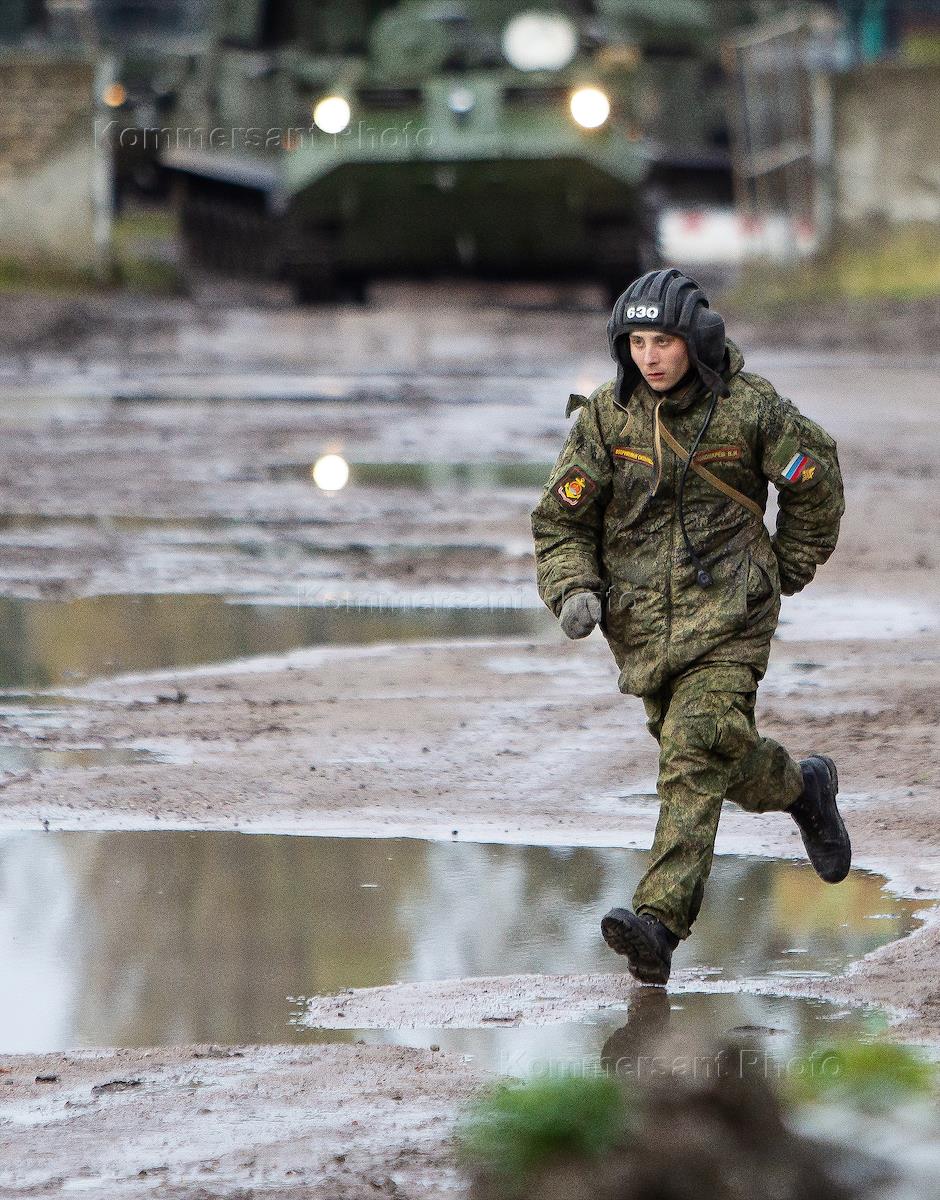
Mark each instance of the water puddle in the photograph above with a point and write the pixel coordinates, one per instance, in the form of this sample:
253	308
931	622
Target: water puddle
44	643
32	758
28	522
139	939
775	1034
444	476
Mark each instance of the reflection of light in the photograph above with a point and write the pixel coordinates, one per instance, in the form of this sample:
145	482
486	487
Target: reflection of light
330	472
114	95
461	101
590	107
540	41
332	114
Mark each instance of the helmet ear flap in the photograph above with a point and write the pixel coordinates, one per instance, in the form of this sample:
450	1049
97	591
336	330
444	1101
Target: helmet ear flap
620	350
670	300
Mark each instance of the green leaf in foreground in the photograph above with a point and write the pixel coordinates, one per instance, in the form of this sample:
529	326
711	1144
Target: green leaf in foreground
512	1130
869	1075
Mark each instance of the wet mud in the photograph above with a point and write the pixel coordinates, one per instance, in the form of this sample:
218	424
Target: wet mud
177	473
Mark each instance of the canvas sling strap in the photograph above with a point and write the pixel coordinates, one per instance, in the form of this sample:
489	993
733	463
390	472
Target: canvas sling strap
703	472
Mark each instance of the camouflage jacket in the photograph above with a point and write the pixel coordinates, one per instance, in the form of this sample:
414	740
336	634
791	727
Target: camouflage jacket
608	522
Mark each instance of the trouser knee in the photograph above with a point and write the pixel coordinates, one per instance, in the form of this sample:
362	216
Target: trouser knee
716	727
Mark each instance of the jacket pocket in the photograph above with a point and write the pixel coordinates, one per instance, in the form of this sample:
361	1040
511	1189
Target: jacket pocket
762	595
616	604
634	619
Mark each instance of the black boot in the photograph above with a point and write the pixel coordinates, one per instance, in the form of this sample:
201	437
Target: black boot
821	827
646	942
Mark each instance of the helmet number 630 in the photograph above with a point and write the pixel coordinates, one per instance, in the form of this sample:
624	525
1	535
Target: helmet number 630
642	311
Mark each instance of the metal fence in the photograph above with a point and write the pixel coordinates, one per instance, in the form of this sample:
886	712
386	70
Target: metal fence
781	129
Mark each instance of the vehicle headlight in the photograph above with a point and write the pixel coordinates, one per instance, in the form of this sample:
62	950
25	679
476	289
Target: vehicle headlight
332	114
461	101
540	41
590	107
114	95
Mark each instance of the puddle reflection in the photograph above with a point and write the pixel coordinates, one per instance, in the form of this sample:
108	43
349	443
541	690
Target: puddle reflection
32	758
139	939
49	642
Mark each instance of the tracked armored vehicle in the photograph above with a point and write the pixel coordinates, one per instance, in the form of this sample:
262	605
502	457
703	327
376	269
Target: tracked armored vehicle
331	143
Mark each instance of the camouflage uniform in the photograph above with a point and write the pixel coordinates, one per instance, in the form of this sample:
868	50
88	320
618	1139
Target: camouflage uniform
607	523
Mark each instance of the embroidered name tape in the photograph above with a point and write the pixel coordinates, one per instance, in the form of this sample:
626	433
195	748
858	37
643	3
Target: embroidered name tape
575	488
801	467
633	455
719	454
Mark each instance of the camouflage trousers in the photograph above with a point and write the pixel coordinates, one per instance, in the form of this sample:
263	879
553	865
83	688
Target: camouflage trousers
710	751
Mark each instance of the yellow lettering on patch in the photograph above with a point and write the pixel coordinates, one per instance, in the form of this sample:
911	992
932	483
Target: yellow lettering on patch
632	455
719	454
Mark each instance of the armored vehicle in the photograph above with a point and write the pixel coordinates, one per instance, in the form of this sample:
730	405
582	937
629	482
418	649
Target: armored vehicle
329	143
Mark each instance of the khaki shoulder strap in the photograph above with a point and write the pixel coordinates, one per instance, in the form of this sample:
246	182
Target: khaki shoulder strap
704	473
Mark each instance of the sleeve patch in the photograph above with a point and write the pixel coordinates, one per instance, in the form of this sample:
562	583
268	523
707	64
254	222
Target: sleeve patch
575	488
802	468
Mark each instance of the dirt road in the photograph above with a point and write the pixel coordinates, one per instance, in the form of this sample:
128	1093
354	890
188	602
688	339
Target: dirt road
521	740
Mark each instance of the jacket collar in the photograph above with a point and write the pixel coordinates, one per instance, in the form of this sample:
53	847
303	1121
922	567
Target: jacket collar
677	401
686	397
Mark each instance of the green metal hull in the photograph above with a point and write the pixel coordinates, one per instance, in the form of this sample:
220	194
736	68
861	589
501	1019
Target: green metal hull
489	216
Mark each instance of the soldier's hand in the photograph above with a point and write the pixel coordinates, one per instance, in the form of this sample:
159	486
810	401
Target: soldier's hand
579	614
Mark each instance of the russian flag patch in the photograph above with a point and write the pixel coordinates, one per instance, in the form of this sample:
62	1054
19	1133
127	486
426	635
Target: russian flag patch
800	467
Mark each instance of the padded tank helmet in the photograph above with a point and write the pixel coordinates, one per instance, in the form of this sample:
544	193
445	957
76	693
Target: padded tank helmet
675	303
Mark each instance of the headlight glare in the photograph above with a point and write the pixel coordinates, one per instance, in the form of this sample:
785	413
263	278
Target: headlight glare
540	41
114	95
590	107
332	114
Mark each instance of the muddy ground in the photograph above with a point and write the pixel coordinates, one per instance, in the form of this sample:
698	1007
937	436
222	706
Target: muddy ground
157	465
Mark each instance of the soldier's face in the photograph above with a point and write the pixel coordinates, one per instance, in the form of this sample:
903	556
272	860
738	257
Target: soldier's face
661	357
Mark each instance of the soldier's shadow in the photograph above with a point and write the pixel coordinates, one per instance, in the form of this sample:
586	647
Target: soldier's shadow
628	1050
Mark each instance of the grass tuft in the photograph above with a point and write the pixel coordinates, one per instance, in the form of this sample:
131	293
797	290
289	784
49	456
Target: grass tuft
513	1130
874	1076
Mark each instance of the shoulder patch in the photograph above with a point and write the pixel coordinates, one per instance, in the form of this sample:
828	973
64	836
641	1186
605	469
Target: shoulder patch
802	468
575	488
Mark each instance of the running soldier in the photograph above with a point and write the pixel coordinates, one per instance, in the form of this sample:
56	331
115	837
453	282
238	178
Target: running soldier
652	526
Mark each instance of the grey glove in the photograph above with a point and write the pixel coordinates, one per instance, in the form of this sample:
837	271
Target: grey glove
579	614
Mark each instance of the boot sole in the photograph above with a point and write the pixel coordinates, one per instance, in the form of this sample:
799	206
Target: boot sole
625	934
839	873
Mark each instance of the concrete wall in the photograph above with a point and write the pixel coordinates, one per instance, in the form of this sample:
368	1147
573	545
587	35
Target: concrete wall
887	144
54	180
